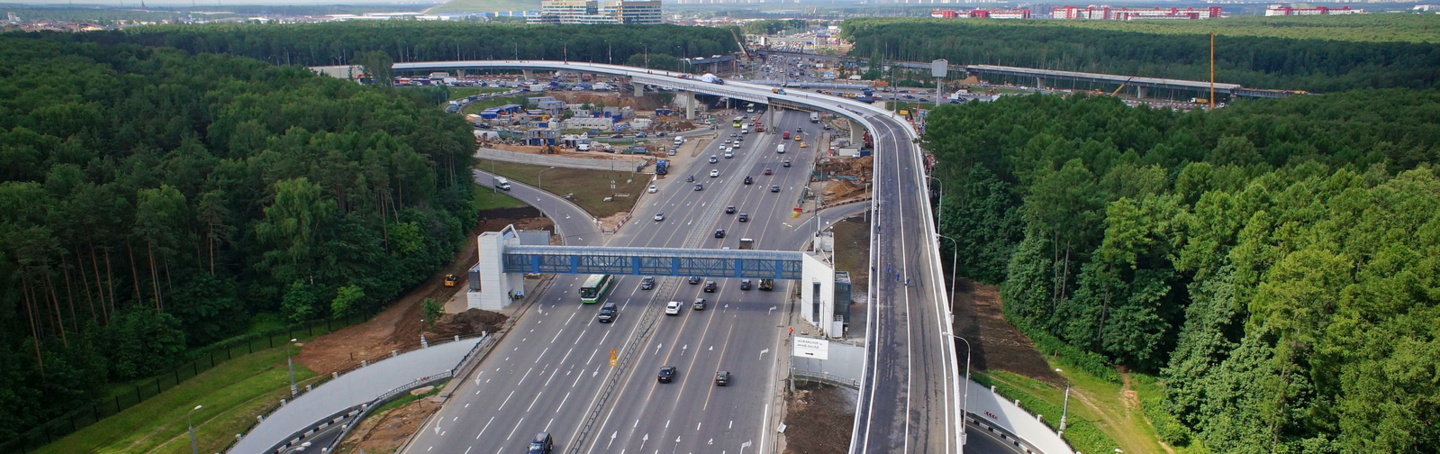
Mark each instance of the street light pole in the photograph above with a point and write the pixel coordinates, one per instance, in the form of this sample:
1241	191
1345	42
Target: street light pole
193	448
290	363
540	179
1065	408
965	400
954	259
940	206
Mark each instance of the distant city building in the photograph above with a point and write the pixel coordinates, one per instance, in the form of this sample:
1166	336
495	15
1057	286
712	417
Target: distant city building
594	12
983	13
1109	13
1282	10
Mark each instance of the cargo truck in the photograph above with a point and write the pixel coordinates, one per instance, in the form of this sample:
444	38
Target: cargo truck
502	184
747	243
814	117
662	167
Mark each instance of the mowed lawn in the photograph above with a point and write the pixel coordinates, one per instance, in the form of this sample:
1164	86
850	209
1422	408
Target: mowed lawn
233	394
590	187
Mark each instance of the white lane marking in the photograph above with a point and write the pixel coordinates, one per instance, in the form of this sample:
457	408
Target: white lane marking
487	425
512	431
541	355
562	403
507	400
532	403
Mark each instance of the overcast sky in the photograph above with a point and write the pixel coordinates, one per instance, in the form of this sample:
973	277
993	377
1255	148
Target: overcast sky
401	5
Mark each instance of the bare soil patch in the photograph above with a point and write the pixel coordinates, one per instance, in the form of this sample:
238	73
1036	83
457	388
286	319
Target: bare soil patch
399	326
819	419
386	432
996	344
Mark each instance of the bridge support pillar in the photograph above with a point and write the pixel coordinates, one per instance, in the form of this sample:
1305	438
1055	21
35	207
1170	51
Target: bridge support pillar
686	100
639	89
1140	92
528	73
1039	82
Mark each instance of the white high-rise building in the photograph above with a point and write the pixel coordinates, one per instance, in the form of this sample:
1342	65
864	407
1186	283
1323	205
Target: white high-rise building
594	12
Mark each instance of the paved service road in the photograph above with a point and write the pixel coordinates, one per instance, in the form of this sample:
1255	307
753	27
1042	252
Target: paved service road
552	372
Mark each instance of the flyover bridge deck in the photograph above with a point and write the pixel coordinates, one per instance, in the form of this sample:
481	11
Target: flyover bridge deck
653	261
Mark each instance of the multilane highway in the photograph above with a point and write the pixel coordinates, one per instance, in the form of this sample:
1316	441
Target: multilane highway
553	366
549	373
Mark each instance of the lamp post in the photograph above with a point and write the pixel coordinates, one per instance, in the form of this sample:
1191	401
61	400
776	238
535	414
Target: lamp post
954	259
540	179
1065	408
965	399
940	206
290	363
193	448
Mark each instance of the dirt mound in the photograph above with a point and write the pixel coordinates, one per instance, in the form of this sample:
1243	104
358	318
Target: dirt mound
472	321
841	190
858	168
819	420
386	432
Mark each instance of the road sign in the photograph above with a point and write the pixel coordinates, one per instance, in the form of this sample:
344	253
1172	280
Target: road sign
809	347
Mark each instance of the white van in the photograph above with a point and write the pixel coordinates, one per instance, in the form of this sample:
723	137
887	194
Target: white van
780	149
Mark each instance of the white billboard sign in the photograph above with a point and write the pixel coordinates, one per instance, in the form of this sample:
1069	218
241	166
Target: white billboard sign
939	68
809	347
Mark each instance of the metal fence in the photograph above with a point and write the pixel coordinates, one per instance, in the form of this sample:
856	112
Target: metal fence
203	359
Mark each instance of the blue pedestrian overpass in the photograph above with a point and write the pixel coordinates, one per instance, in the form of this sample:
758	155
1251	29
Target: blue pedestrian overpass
653	261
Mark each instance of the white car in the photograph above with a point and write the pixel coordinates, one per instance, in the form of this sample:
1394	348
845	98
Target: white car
672	308
714	173
659	217
729	155
653	189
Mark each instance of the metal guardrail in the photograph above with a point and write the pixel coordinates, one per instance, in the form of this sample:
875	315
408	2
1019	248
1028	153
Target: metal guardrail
824	377
332	376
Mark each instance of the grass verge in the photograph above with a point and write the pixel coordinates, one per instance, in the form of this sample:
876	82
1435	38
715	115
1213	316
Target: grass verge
232	394
589	186
489	199
1103	415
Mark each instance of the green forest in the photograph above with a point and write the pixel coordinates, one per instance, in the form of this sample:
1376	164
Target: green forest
341	43
1276	263
1320	64
152	201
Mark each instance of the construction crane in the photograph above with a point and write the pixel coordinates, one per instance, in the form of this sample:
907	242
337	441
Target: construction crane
1122	86
741	43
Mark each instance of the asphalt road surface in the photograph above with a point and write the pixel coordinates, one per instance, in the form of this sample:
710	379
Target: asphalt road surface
552	371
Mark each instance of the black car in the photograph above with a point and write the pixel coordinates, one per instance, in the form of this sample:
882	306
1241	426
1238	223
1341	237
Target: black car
689	178
667	374
722	378
647	283
785	164
744	217
694	280
774	188
744	284
720	233
541	444
749	180
699	187
608	312
710	286
730	209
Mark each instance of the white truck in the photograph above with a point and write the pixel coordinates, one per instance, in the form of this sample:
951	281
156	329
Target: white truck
502	184
780	149
814	117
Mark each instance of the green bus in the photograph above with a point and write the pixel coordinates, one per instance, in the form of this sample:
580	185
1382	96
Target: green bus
595	287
